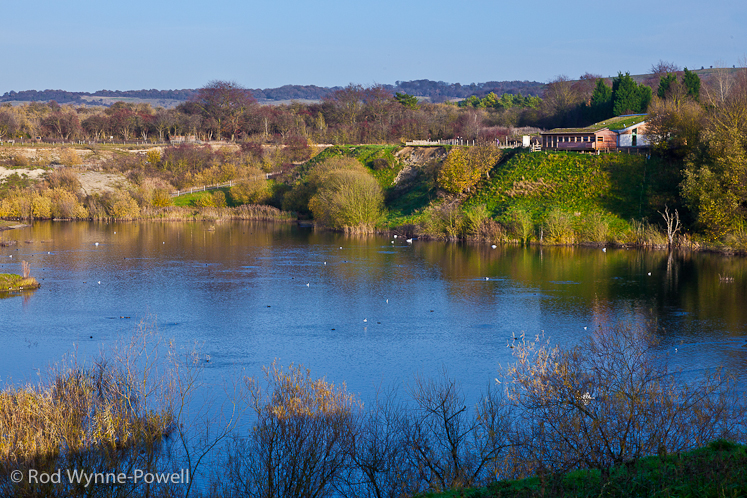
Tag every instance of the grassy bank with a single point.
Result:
(717, 470)
(516, 197)
(549, 198)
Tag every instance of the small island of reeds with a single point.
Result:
(10, 282)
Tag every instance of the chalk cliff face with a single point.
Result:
(417, 160)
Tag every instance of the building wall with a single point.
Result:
(610, 140)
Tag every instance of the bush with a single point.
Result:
(256, 189)
(612, 400)
(219, 199)
(318, 177)
(161, 198)
(350, 200)
(41, 206)
(302, 437)
(558, 228)
(123, 207)
(380, 163)
(446, 219)
(64, 178)
(203, 201)
(65, 204)
(68, 157)
(519, 221)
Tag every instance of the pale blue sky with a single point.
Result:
(85, 45)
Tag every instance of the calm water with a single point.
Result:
(360, 310)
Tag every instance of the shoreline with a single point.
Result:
(212, 217)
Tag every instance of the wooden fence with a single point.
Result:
(228, 184)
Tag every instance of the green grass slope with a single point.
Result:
(719, 470)
(626, 186)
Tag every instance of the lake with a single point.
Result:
(368, 311)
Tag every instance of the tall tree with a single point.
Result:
(227, 103)
(665, 83)
(628, 96)
(692, 83)
(8, 122)
(600, 105)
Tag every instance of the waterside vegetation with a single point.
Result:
(578, 420)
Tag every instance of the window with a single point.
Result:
(600, 139)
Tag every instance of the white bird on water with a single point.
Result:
(96, 243)
(604, 249)
(494, 246)
(395, 236)
(409, 241)
(307, 285)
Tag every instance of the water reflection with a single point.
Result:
(362, 310)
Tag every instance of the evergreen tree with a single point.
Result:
(409, 101)
(664, 84)
(600, 106)
(692, 83)
(628, 96)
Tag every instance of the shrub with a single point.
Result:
(446, 219)
(65, 204)
(204, 200)
(123, 207)
(558, 228)
(41, 206)
(153, 156)
(350, 200)
(161, 198)
(519, 220)
(475, 217)
(302, 438)
(64, 178)
(219, 198)
(380, 163)
(68, 157)
(254, 190)
(612, 400)
(596, 228)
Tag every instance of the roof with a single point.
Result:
(616, 123)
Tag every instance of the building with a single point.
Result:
(620, 132)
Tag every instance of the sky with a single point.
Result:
(85, 45)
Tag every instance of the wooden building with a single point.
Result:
(620, 132)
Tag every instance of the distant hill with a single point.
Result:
(435, 91)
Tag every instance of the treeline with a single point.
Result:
(354, 114)
(64, 97)
(437, 91)
(222, 110)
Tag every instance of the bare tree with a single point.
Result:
(673, 224)
(663, 67)
(301, 441)
(452, 448)
(614, 399)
